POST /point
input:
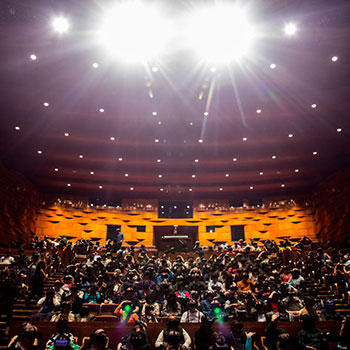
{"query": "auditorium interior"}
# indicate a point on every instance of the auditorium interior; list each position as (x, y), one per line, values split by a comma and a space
(175, 175)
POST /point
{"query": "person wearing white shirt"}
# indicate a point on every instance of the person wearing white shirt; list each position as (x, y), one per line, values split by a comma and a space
(192, 315)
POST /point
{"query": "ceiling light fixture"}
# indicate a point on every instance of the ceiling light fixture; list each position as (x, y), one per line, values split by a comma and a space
(158, 160)
(100, 187)
(68, 185)
(196, 160)
(154, 69)
(234, 159)
(221, 189)
(134, 32)
(131, 188)
(156, 140)
(120, 159)
(283, 185)
(60, 25)
(290, 29)
(193, 176)
(190, 189)
(101, 110)
(334, 58)
(261, 173)
(162, 189)
(272, 65)
(211, 28)
(245, 139)
(296, 170)
(126, 175)
(66, 134)
(81, 156)
(33, 57)
(273, 157)
(200, 140)
(314, 105)
(339, 130)
(314, 153)
(251, 187)
(154, 113)
(227, 175)
(160, 176)
(213, 69)
(17, 128)
(40, 152)
(112, 138)
(56, 169)
(290, 135)
(92, 173)
(206, 114)
(258, 111)
(46, 104)
(95, 65)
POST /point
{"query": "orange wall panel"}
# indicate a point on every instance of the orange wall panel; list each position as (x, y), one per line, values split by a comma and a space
(259, 223)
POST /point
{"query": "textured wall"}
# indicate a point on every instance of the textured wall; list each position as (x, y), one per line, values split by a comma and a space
(18, 205)
(331, 201)
(91, 223)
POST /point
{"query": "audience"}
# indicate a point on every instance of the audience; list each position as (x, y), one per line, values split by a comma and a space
(239, 283)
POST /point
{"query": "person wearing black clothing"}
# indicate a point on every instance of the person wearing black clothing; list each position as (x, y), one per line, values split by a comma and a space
(27, 339)
(204, 338)
(274, 335)
(311, 337)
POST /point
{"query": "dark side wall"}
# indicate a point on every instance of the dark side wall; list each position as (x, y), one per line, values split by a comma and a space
(331, 201)
(19, 202)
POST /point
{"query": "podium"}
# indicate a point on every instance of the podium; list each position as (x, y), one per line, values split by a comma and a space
(182, 240)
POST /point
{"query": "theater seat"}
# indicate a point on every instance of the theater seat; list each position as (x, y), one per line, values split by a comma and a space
(94, 308)
(106, 318)
(108, 308)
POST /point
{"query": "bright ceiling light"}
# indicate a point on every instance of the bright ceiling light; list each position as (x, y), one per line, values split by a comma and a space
(227, 175)
(158, 160)
(234, 159)
(290, 135)
(101, 110)
(261, 173)
(251, 187)
(160, 176)
(258, 111)
(272, 65)
(68, 185)
(221, 33)
(95, 65)
(334, 58)
(206, 114)
(290, 29)
(131, 188)
(162, 189)
(193, 176)
(338, 130)
(92, 173)
(213, 69)
(134, 32)
(221, 189)
(273, 157)
(200, 140)
(112, 138)
(190, 189)
(245, 139)
(81, 156)
(33, 57)
(283, 185)
(66, 134)
(314, 153)
(296, 170)
(17, 128)
(60, 25)
(56, 169)
(40, 152)
(196, 160)
(156, 140)
(314, 105)
(120, 159)
(154, 113)
(154, 69)
(100, 187)
(46, 104)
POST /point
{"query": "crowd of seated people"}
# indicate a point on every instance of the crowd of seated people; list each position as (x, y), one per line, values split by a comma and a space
(239, 283)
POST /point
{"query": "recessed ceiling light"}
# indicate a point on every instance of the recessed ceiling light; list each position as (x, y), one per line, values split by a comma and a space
(46, 104)
(190, 189)
(290, 29)
(112, 138)
(154, 113)
(283, 185)
(191, 123)
(92, 173)
(126, 174)
(74, 171)
(33, 57)
(193, 176)
(314, 105)
(17, 128)
(272, 65)
(156, 140)
(60, 25)
(258, 111)
(261, 173)
(158, 160)
(227, 175)
(213, 69)
(131, 188)
(234, 159)
(196, 160)
(154, 69)
(56, 169)
(68, 185)
(81, 156)
(221, 189)
(101, 110)
(245, 139)
(314, 153)
(162, 189)
(251, 187)
(273, 157)
(290, 135)
(296, 170)
(120, 159)
(95, 65)
(335, 58)
(40, 152)
(160, 175)
(159, 123)
(206, 114)
(66, 134)
(200, 140)
(100, 187)
(339, 130)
